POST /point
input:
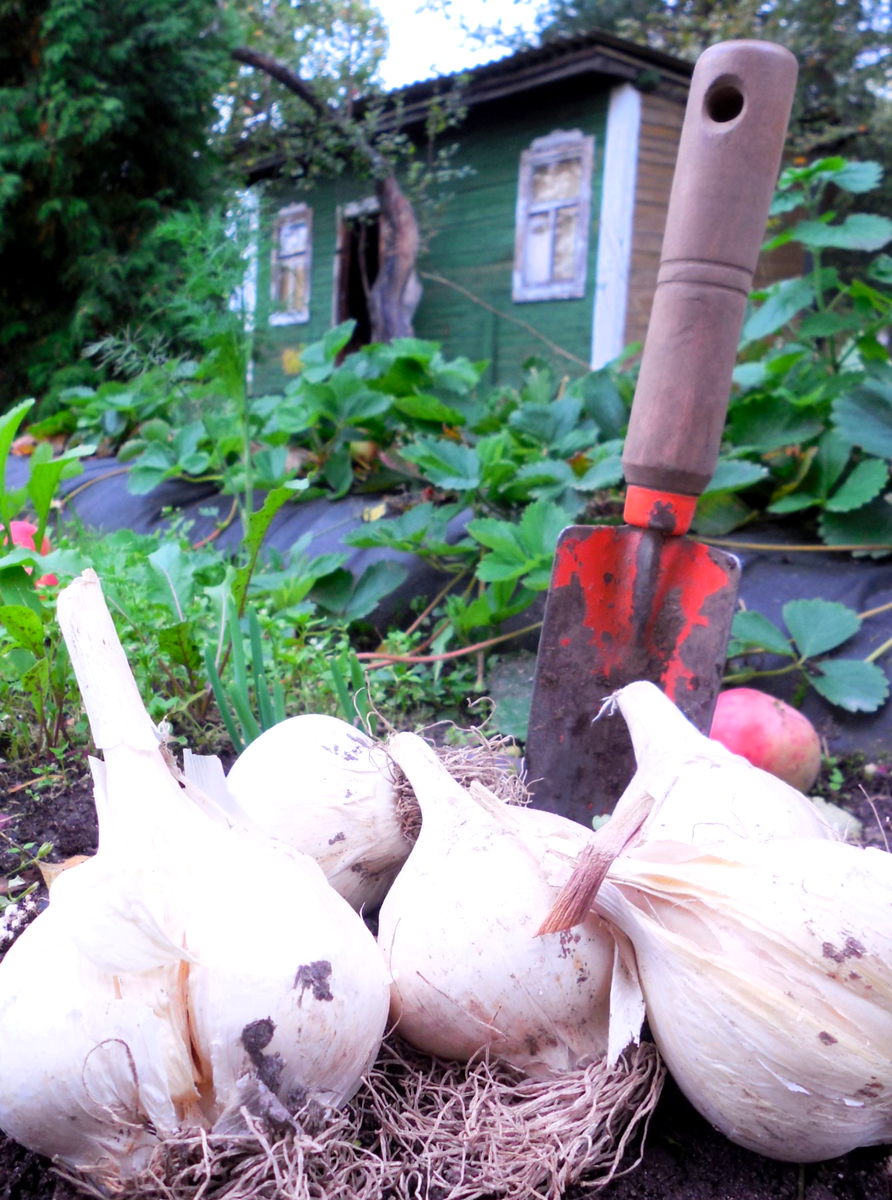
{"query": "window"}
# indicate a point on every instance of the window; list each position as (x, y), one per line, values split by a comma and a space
(290, 276)
(553, 208)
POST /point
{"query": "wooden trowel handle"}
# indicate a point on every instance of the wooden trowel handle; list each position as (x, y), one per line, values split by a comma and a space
(727, 167)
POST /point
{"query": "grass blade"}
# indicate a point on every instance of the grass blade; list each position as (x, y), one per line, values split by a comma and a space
(222, 702)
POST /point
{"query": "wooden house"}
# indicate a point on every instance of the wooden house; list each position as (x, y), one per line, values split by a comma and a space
(549, 245)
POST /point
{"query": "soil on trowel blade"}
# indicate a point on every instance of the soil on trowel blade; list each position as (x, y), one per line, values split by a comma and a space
(684, 1159)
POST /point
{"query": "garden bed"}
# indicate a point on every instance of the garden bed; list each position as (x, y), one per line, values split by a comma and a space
(684, 1159)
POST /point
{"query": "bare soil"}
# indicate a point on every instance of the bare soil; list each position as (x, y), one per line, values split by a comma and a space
(684, 1159)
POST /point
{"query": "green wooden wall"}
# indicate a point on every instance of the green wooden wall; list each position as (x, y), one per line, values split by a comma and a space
(474, 246)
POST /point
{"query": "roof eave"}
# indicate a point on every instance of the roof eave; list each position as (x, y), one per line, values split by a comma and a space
(595, 52)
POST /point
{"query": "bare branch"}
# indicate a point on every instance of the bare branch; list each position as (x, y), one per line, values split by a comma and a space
(291, 80)
(396, 291)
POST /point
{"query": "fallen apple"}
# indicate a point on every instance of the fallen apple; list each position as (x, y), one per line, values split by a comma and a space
(769, 734)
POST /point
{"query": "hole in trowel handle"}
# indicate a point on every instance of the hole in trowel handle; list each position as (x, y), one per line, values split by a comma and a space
(724, 101)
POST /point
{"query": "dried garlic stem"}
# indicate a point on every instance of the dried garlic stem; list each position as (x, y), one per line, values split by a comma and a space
(576, 897)
(114, 706)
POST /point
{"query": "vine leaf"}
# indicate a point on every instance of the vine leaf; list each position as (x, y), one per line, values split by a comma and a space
(751, 631)
(820, 625)
(852, 684)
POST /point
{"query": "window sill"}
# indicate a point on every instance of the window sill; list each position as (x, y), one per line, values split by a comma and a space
(289, 318)
(527, 294)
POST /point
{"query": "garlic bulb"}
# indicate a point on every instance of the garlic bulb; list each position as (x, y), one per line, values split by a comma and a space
(324, 788)
(767, 974)
(186, 970)
(686, 788)
(457, 930)
(701, 791)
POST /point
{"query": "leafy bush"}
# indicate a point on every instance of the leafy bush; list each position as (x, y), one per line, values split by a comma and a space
(104, 113)
(810, 429)
(397, 416)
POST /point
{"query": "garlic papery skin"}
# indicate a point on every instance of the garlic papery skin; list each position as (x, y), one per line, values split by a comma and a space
(191, 993)
(686, 788)
(767, 974)
(702, 792)
(458, 927)
(325, 789)
(86, 1075)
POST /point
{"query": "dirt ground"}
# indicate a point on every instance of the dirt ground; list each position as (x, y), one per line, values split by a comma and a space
(684, 1159)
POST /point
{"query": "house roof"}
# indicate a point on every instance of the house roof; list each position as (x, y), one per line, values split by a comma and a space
(595, 52)
(592, 53)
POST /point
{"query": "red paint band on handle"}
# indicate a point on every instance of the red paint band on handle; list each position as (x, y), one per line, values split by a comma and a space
(668, 512)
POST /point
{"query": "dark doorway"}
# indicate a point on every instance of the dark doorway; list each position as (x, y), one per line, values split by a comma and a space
(358, 258)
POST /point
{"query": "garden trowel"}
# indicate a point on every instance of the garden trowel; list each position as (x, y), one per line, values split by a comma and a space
(641, 601)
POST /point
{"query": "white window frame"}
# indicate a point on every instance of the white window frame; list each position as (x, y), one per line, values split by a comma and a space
(290, 316)
(559, 145)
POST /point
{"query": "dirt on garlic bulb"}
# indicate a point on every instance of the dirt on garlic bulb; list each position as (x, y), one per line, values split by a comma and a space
(767, 975)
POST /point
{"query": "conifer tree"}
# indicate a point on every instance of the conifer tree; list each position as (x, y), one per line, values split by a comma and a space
(104, 116)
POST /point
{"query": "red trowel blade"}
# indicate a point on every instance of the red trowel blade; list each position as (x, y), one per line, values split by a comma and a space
(625, 604)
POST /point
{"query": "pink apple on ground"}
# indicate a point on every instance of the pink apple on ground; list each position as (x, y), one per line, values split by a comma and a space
(769, 734)
(23, 535)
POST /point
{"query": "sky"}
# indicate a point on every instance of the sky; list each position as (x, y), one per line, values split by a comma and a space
(427, 43)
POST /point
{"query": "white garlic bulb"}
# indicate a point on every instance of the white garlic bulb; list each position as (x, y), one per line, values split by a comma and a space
(767, 974)
(701, 791)
(324, 788)
(458, 932)
(687, 788)
(87, 1076)
(187, 969)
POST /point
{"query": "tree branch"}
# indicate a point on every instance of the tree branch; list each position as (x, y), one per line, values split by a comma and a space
(396, 291)
(291, 80)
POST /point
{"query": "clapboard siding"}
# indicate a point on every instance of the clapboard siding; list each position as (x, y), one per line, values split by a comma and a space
(473, 246)
(661, 121)
(277, 348)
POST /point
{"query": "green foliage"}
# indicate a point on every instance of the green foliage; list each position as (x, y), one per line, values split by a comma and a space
(115, 122)
(377, 420)
(338, 47)
(34, 665)
(235, 701)
(29, 855)
(104, 112)
(525, 463)
(38, 666)
(814, 628)
(267, 626)
(350, 599)
(353, 693)
(521, 550)
(813, 416)
(478, 484)
(336, 44)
